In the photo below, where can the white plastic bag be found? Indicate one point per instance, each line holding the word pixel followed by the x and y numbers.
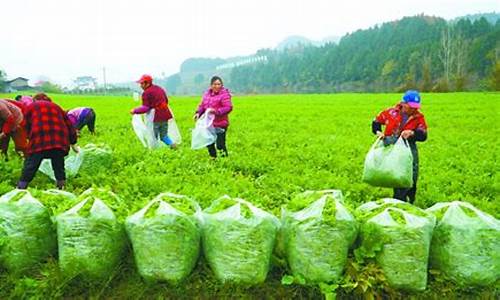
pixel 400 237
pixel 144 129
pixel 72 165
pixel 165 238
pixel 238 240
pixel 27 236
pixel 204 133
pixel 315 237
pixel 173 131
pixel 466 244
pixel 389 166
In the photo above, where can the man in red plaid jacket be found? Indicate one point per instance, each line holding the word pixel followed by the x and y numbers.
pixel 50 135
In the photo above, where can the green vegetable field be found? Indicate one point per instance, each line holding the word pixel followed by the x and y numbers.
pixel 279 146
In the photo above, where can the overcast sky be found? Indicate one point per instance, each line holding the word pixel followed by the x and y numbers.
pixel 62 39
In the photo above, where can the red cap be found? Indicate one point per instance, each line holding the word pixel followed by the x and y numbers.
pixel 145 78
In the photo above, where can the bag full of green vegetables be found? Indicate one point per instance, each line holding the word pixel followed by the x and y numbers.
pixel 317 232
pixel 389 165
pixel 165 238
pixel 466 244
pixel 90 239
pixel 398 237
pixel 238 240
pixel 27 234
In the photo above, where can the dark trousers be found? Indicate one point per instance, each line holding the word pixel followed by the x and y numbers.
pixel 4 144
pixel 408 195
pixel 160 129
pixel 88 120
pixel 220 143
pixel 33 161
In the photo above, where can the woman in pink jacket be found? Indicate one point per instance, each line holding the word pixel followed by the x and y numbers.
pixel 217 101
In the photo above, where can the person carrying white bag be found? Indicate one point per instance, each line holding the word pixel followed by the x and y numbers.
pixel 403 121
pixel 155 104
pixel 216 102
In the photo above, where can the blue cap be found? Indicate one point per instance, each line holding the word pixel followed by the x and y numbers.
pixel 412 98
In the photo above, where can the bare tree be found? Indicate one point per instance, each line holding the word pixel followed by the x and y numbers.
pixel 461 58
pixel 446 53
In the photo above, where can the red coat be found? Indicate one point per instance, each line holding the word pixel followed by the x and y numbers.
pixel 392 119
pixel 48 128
pixel 155 97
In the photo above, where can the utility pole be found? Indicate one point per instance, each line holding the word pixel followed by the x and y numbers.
pixel 104 77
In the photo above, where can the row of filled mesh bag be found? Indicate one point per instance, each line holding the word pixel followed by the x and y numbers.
pixel 315 235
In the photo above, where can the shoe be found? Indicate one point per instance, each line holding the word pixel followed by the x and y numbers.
pixel 60 184
pixel 22 185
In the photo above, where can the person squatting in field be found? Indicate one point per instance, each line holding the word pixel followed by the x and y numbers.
pixel 154 97
pixel 81 117
pixel 406 121
pixel 12 125
pixel 50 135
pixel 217 101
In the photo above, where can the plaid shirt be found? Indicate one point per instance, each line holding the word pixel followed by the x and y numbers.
pixel 48 128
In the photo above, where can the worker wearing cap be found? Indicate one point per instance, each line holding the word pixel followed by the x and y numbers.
pixel 154 97
pixel 406 121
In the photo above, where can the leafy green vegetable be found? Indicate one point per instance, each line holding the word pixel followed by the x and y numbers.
pixel 238 249
pixel 317 231
pixel 27 235
pixel 181 203
pixel 91 241
pixel 224 203
pixel 372 208
pixel 397 236
pixel 466 244
pixel 165 238
pixel 56 201
pixel 389 166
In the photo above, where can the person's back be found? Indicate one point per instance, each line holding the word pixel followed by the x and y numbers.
pixel 50 135
pixel 47 127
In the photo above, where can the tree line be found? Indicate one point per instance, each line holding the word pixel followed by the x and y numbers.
pixel 423 52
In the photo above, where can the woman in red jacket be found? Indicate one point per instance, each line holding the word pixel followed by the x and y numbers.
pixel 50 135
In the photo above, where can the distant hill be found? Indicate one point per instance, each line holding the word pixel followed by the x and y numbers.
pixel 391 56
pixel 491 17
pixel 297 40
